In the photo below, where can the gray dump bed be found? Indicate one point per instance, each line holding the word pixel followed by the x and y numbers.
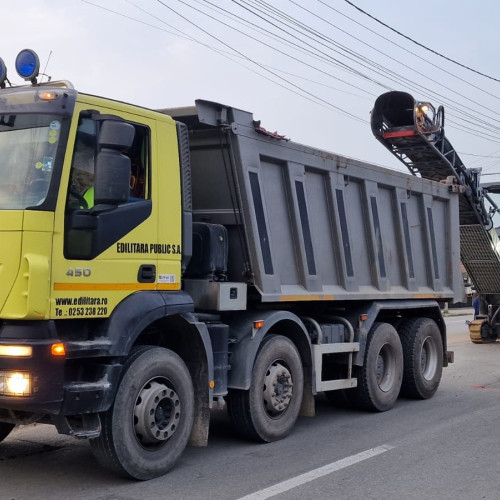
pixel 305 224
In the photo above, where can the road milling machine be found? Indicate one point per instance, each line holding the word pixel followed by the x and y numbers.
pixel 413 131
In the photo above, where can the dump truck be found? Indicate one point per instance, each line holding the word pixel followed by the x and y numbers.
pixel 209 261
pixel 414 132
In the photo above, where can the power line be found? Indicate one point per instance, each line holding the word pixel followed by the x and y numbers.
pixel 306 39
pixel 280 39
pixel 463 113
pixel 275 13
pixel 308 44
pixel 481 156
pixel 392 42
pixel 420 44
pixel 136 20
pixel 297 88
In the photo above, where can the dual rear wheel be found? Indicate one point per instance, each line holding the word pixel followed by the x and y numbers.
pixel 406 362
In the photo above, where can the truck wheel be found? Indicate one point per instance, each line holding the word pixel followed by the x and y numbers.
pixel 269 409
pixel 423 357
pixel 5 430
pixel 379 379
pixel 148 426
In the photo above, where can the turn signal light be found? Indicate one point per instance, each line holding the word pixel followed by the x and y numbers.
pixel 58 349
pixel 47 95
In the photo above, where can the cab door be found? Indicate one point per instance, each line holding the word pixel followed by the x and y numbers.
pixel 104 253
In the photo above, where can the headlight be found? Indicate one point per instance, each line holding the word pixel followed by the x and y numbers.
pixel 16 350
pixel 15 383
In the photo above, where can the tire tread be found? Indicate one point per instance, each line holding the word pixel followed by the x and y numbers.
pixel 362 396
pixel 409 331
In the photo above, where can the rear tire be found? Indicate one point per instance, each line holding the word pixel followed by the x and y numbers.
pixel 423 358
pixel 380 377
pixel 5 430
pixel 148 426
pixel 269 409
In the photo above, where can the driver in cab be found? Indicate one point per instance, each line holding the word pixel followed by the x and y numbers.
pixel 82 176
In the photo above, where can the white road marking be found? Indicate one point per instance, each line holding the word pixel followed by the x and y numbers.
pixel 316 473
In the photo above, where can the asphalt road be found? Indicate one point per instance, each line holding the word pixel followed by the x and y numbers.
pixel 443 448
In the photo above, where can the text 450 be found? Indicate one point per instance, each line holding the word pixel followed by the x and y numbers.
pixel 79 271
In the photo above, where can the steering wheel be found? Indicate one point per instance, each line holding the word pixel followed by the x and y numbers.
pixel 82 202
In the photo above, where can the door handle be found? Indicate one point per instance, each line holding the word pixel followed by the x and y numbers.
pixel 147 273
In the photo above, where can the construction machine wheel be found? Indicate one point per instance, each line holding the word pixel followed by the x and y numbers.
pixel 5 430
pixel 423 357
pixel 148 426
pixel 379 379
pixel 269 409
pixel 475 330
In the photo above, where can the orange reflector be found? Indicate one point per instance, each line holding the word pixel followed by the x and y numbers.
pixel 58 349
pixel 211 384
pixel 363 317
pixel 258 324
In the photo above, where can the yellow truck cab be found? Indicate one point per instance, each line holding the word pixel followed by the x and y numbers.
pixel 67 258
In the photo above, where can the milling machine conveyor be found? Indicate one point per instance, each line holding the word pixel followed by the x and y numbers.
pixel 414 132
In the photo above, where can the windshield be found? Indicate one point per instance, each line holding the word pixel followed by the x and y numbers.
pixel 28 146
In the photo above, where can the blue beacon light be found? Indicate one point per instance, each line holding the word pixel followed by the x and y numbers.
pixel 27 65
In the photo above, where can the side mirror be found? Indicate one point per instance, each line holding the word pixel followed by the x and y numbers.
pixel 112 169
pixel 112 178
pixel 116 135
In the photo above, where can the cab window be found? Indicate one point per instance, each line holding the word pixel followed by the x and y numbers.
pixel 91 228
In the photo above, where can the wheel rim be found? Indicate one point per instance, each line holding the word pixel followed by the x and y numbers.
pixel 157 413
pixel 278 389
pixel 386 367
pixel 428 358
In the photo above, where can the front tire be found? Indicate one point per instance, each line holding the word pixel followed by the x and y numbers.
pixel 380 377
pixel 148 426
pixel 423 358
pixel 269 409
pixel 5 430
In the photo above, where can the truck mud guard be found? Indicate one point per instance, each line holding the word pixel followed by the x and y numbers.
pixel 246 340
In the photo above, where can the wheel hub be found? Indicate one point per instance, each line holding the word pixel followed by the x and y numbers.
pixel 278 389
pixel 157 413
pixel 428 359
pixel 385 367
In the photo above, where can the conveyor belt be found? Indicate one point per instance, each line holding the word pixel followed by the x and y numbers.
pixel 419 142
pixel 480 257
pixel 433 158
